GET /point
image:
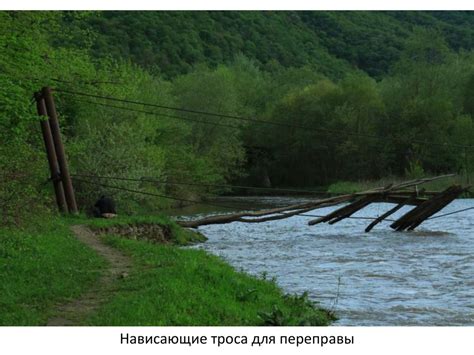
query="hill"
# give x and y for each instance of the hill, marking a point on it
(346, 96)
(332, 42)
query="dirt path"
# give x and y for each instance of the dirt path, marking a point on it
(75, 311)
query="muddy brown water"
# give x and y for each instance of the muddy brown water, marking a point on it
(425, 277)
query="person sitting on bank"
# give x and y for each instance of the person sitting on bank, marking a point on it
(105, 208)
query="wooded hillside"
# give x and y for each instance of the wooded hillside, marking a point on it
(330, 42)
(296, 99)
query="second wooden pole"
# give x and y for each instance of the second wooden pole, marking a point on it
(61, 155)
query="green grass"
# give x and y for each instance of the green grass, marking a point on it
(347, 187)
(176, 286)
(44, 265)
(40, 266)
(123, 220)
(179, 236)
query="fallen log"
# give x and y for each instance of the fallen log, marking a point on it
(346, 210)
(401, 199)
(391, 211)
(397, 194)
(418, 215)
(404, 221)
(363, 203)
(279, 213)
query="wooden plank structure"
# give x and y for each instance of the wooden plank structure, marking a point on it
(426, 204)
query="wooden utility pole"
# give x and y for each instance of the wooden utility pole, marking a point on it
(58, 145)
(51, 154)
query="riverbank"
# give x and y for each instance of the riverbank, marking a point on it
(45, 265)
(347, 187)
(370, 279)
(40, 266)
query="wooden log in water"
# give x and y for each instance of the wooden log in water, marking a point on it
(404, 221)
(401, 199)
(391, 193)
(436, 208)
(349, 210)
(419, 214)
(279, 213)
(393, 210)
(274, 217)
(337, 212)
(383, 216)
(352, 208)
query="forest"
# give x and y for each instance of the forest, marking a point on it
(275, 99)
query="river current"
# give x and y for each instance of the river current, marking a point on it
(381, 278)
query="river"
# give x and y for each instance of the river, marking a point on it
(381, 278)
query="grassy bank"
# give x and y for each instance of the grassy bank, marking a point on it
(177, 234)
(175, 286)
(347, 187)
(40, 266)
(168, 285)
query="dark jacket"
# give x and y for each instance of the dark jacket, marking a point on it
(105, 205)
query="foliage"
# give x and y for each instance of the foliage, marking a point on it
(348, 187)
(99, 140)
(414, 171)
(324, 152)
(172, 42)
(324, 120)
(304, 313)
(344, 187)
